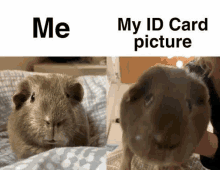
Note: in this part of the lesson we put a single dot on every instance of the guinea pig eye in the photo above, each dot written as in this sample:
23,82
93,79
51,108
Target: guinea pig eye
67,95
33,97
48,123
60,123
200,101
189,104
148,99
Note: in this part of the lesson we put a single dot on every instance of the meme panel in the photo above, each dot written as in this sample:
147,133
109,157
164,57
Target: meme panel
114,113
109,85
159,112
53,113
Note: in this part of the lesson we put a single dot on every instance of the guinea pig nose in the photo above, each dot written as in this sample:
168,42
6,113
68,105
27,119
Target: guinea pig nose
138,137
51,141
158,138
163,143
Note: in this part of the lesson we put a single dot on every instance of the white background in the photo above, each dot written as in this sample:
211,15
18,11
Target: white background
94,27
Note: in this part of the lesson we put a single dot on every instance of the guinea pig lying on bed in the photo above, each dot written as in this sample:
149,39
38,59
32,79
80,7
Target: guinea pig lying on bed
163,117
47,113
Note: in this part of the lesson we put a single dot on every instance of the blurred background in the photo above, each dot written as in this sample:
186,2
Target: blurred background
69,65
132,67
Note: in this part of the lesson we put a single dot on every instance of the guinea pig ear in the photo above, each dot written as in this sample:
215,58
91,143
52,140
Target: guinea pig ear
22,94
199,93
75,91
140,88
135,93
200,96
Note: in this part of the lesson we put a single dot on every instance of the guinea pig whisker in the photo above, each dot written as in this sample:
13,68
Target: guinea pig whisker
93,139
75,131
81,125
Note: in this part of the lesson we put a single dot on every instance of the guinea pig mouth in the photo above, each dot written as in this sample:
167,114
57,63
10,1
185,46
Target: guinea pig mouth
164,158
51,142
164,163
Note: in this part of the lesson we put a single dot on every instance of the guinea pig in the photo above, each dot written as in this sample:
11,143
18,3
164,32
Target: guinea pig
47,113
163,117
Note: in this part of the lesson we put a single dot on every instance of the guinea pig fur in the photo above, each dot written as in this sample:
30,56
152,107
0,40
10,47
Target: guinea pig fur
163,116
47,113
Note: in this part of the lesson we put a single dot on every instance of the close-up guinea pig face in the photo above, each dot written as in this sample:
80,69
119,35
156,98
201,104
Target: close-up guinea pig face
165,114
48,105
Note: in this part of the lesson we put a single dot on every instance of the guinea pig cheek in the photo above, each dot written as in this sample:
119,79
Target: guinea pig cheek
61,137
36,128
139,138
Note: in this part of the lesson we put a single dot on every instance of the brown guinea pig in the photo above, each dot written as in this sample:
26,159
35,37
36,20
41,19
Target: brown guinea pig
47,113
163,117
